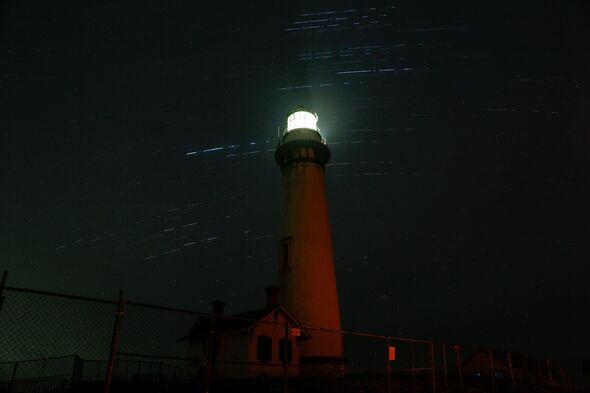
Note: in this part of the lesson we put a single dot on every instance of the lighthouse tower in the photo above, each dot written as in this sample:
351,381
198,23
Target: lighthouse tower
306,265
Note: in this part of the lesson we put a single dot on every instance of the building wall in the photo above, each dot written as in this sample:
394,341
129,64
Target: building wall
197,353
232,357
274,367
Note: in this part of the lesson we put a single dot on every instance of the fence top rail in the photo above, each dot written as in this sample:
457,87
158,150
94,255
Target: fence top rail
39,359
166,308
62,295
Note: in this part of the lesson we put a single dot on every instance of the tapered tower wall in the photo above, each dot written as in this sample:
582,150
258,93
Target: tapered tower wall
306,263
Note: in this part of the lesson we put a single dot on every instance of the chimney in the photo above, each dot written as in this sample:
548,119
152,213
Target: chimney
218,307
272,296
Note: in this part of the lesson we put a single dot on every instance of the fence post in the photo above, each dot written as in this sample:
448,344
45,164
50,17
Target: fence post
459,367
511,370
413,366
115,342
445,369
286,358
387,366
492,371
209,355
432,367
2,284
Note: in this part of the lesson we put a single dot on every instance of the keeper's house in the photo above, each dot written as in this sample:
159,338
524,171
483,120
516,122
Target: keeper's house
250,344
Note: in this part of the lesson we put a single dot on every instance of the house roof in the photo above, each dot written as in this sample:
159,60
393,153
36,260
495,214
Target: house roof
235,323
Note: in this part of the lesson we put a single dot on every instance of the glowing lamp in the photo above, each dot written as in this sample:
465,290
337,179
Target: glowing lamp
302,119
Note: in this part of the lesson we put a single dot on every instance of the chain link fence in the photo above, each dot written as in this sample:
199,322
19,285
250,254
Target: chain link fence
43,325
51,342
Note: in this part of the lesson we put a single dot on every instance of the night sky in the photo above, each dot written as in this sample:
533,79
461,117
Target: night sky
137,152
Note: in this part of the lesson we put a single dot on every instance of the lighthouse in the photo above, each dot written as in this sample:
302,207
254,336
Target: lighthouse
306,263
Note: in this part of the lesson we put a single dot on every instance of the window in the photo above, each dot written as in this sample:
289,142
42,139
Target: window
284,254
264,349
283,342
